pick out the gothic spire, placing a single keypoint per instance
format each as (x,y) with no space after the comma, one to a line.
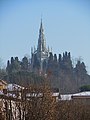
(41,39)
(41,26)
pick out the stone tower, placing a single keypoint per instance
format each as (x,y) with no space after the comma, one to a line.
(40,55)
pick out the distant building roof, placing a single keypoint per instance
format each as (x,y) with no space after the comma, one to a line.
(81,94)
(4,82)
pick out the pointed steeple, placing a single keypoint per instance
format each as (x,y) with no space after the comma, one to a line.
(41,39)
(41,52)
(41,26)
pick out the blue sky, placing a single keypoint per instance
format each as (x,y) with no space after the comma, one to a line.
(66,27)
